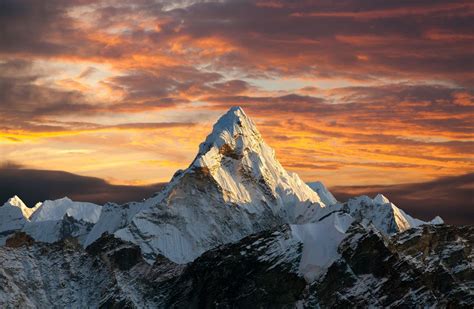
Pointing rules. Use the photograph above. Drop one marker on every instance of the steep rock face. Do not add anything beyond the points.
(408, 272)
(445, 254)
(19, 239)
(109, 274)
(259, 271)
(234, 187)
(428, 266)
(57, 275)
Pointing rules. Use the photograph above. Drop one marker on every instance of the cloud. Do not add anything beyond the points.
(30, 105)
(359, 86)
(24, 98)
(285, 40)
(430, 110)
(351, 39)
(449, 197)
(38, 185)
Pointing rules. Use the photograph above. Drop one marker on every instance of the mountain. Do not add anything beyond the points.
(233, 188)
(14, 214)
(114, 217)
(48, 221)
(18, 203)
(55, 220)
(234, 229)
(430, 266)
(323, 192)
(57, 209)
(383, 214)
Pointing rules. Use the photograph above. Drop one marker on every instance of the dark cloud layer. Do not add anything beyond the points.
(452, 198)
(353, 38)
(356, 39)
(33, 186)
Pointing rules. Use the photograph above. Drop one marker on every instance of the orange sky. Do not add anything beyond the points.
(357, 92)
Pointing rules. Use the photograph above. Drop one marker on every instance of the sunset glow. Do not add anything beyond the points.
(368, 94)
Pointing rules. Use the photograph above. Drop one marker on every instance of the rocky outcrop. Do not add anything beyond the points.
(253, 273)
(19, 239)
(428, 266)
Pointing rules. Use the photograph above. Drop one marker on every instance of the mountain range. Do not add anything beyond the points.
(234, 229)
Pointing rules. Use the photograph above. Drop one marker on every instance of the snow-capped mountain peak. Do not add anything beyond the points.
(323, 192)
(381, 199)
(272, 227)
(383, 214)
(237, 158)
(17, 202)
(233, 132)
(437, 220)
(233, 136)
(57, 209)
(51, 221)
(234, 187)
(14, 214)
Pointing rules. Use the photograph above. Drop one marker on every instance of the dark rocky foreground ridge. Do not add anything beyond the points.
(423, 267)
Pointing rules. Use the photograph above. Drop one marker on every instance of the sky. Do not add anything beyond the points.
(352, 93)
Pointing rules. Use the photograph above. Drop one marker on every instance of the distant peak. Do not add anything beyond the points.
(381, 199)
(14, 198)
(64, 199)
(323, 192)
(437, 220)
(16, 201)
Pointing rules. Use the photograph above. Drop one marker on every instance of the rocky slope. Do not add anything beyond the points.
(428, 266)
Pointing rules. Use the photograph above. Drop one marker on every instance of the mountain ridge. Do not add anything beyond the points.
(234, 187)
(234, 211)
